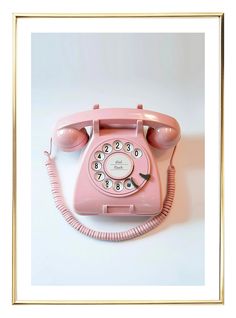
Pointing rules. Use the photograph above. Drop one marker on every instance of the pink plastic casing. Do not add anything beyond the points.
(116, 124)
(88, 199)
(71, 139)
(119, 116)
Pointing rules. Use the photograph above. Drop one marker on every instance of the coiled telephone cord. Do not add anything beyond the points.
(135, 232)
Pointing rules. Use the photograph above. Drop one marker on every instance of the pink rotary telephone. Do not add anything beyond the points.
(119, 175)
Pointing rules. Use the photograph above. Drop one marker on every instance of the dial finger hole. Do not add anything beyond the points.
(107, 148)
(99, 176)
(128, 184)
(128, 147)
(118, 186)
(117, 145)
(107, 184)
(96, 165)
(99, 155)
(137, 153)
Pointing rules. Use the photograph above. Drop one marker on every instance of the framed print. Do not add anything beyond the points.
(118, 158)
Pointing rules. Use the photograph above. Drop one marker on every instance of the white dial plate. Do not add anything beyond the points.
(118, 166)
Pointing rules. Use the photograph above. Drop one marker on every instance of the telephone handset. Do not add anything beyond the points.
(119, 175)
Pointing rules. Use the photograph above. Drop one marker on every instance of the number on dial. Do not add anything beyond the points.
(118, 186)
(107, 184)
(99, 155)
(117, 145)
(99, 176)
(128, 147)
(96, 165)
(137, 153)
(107, 148)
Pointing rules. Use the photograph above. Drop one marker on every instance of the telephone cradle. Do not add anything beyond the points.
(119, 174)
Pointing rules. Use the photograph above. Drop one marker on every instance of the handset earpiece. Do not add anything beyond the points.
(70, 139)
(163, 137)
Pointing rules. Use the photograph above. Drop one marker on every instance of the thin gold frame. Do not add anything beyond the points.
(219, 15)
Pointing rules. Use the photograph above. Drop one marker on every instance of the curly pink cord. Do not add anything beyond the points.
(110, 236)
